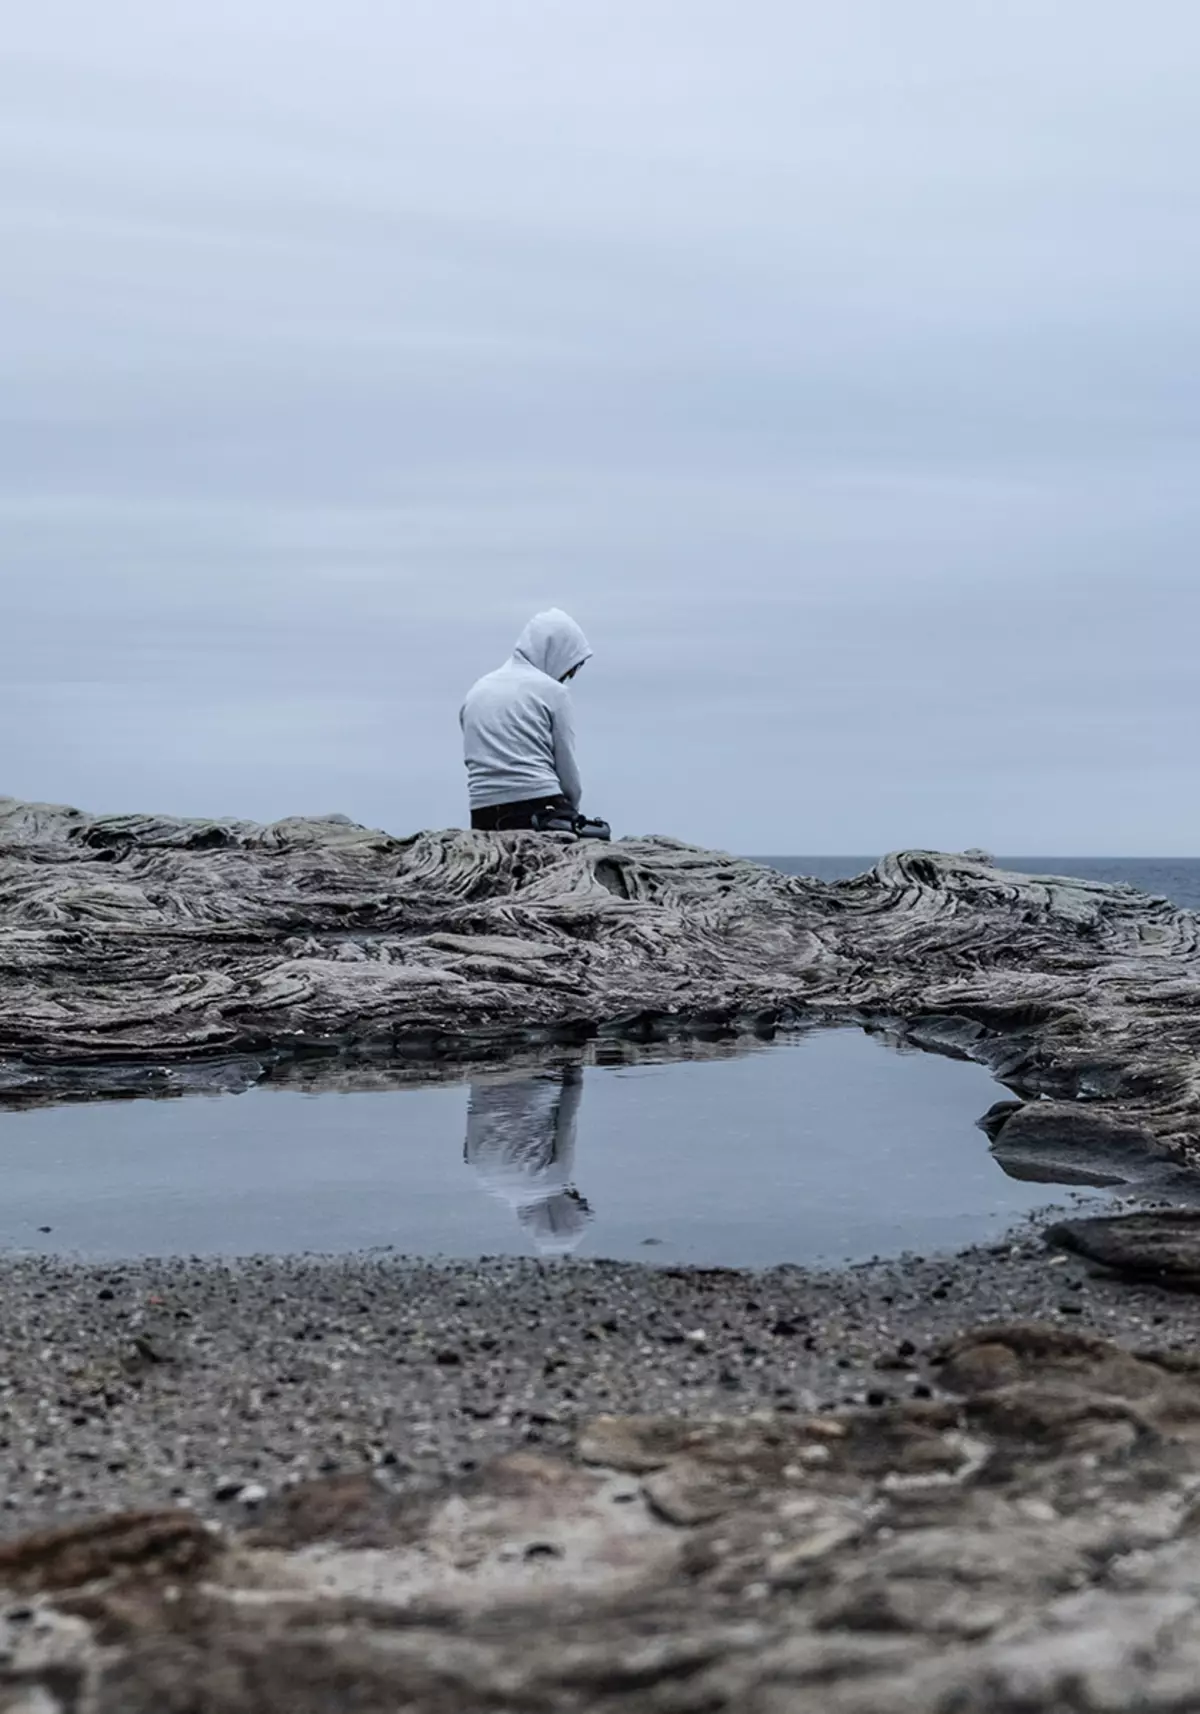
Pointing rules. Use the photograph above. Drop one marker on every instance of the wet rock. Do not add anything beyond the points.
(956, 1037)
(1058, 1142)
(1159, 1245)
(997, 1116)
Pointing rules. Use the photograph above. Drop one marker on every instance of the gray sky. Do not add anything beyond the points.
(837, 366)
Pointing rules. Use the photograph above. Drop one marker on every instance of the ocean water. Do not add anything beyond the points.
(1174, 878)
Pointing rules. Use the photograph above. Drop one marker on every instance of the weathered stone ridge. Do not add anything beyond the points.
(158, 942)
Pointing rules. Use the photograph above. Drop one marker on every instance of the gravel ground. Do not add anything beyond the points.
(165, 1381)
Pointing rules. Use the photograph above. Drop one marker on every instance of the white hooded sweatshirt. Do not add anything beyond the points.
(518, 732)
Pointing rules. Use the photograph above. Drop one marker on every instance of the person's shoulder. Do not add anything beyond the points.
(530, 681)
(484, 684)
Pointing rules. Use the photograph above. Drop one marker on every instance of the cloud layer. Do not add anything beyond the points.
(837, 367)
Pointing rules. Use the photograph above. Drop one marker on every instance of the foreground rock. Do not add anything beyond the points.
(1026, 1544)
(141, 952)
(1159, 1245)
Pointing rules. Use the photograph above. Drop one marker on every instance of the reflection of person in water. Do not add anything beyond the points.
(521, 1143)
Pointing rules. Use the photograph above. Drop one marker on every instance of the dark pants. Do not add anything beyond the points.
(511, 817)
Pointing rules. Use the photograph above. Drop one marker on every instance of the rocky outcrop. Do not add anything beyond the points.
(141, 952)
(1024, 1545)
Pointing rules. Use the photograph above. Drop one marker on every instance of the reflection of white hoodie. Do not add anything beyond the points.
(521, 1142)
(518, 733)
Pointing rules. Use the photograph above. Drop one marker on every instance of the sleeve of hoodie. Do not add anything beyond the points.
(565, 766)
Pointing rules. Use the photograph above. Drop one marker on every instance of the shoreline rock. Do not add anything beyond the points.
(138, 951)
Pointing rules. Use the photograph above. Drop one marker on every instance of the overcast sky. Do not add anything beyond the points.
(836, 365)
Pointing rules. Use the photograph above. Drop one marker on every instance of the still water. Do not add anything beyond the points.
(826, 1147)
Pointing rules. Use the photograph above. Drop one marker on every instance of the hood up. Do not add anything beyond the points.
(553, 643)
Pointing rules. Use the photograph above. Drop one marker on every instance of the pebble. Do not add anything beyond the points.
(244, 1405)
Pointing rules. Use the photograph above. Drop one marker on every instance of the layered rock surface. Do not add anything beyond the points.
(141, 948)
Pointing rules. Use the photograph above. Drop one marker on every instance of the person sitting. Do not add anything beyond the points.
(519, 734)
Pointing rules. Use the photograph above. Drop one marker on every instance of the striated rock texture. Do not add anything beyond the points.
(137, 949)
(1025, 1545)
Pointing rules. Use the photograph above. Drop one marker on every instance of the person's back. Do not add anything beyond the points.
(518, 731)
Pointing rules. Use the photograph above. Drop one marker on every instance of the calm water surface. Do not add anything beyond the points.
(828, 1147)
